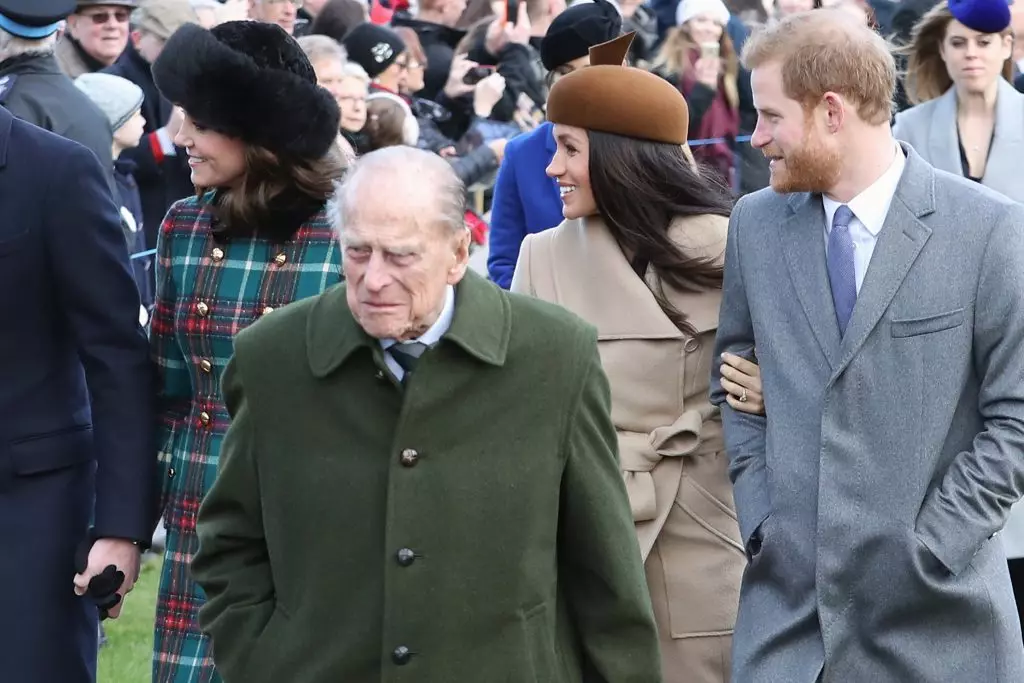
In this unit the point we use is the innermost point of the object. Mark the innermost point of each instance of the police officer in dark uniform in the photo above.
(32, 86)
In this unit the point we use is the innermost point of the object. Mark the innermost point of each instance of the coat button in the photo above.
(410, 458)
(401, 655)
(206, 366)
(267, 309)
(202, 308)
(170, 473)
(405, 557)
(204, 417)
(217, 254)
(281, 259)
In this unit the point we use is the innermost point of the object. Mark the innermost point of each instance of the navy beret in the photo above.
(984, 16)
(33, 19)
(579, 28)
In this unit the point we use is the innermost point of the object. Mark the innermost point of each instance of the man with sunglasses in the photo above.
(96, 35)
(32, 85)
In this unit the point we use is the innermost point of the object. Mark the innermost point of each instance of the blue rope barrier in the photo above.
(715, 141)
(691, 143)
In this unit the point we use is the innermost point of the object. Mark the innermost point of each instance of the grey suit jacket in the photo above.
(889, 457)
(930, 128)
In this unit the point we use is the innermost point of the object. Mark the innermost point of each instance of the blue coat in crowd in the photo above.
(526, 200)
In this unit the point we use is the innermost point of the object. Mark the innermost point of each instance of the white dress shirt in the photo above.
(430, 337)
(869, 209)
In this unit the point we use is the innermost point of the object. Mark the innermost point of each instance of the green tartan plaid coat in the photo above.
(208, 289)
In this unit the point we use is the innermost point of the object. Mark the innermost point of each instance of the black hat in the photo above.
(373, 47)
(249, 80)
(576, 30)
(33, 19)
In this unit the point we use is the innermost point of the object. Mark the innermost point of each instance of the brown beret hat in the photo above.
(623, 100)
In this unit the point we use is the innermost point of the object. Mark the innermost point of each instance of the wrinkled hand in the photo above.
(109, 573)
(487, 93)
(706, 70)
(742, 379)
(456, 86)
(498, 147)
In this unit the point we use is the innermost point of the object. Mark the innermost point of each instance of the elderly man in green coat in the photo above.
(420, 480)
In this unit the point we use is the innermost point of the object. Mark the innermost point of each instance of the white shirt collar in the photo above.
(871, 206)
(440, 326)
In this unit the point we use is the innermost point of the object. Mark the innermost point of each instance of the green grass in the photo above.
(127, 656)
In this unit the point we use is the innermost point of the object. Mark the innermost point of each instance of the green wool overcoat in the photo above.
(470, 527)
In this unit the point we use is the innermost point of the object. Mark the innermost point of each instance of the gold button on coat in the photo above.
(409, 457)
(217, 254)
(204, 417)
(281, 259)
(268, 309)
(206, 366)
(202, 308)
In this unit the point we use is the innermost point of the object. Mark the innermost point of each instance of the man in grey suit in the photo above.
(885, 300)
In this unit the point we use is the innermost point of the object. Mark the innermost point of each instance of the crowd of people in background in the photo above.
(225, 129)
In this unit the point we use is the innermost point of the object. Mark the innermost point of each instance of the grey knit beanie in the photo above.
(118, 98)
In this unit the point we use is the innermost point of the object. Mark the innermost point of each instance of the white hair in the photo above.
(403, 168)
(319, 47)
(353, 70)
(13, 46)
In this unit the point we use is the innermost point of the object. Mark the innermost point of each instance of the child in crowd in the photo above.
(121, 101)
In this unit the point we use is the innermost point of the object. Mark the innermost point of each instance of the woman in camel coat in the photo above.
(639, 256)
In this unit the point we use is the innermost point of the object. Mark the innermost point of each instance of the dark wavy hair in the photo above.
(640, 187)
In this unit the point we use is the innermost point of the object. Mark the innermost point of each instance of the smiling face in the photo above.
(215, 159)
(102, 31)
(974, 60)
(571, 168)
(351, 96)
(801, 156)
(703, 29)
(400, 257)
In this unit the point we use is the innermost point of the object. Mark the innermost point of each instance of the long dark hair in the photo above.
(640, 187)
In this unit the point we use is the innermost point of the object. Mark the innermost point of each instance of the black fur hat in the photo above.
(251, 81)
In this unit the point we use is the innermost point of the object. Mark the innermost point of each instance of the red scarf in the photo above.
(719, 121)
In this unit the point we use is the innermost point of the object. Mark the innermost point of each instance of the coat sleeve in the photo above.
(233, 565)
(973, 500)
(744, 433)
(508, 223)
(599, 558)
(98, 297)
(174, 384)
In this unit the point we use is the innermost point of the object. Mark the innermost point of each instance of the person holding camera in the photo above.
(700, 59)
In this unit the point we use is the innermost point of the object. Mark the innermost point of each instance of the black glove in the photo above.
(104, 586)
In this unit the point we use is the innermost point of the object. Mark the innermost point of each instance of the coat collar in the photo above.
(481, 327)
(614, 298)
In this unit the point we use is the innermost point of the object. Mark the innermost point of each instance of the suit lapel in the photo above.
(804, 247)
(943, 143)
(900, 241)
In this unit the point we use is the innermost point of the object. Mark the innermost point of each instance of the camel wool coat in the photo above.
(669, 435)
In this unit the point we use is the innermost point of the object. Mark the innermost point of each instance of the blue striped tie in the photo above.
(841, 273)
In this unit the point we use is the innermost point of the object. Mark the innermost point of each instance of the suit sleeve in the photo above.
(599, 557)
(744, 433)
(973, 500)
(508, 224)
(97, 293)
(233, 565)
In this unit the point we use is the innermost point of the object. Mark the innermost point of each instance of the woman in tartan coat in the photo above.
(260, 136)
